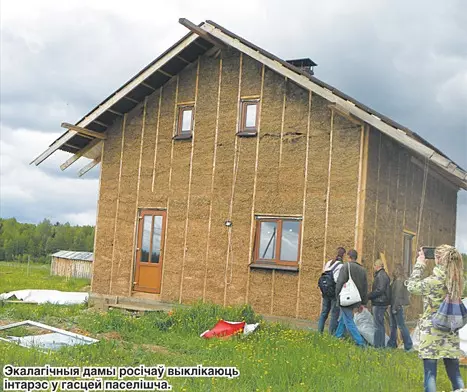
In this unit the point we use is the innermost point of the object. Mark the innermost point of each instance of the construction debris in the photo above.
(55, 340)
(44, 296)
(228, 328)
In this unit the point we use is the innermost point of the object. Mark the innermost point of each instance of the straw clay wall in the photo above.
(217, 176)
(394, 203)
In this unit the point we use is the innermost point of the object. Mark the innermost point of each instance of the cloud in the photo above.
(32, 193)
(407, 60)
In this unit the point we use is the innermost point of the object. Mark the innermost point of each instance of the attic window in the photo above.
(185, 122)
(249, 117)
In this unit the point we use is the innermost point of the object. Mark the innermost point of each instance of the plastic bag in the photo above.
(224, 329)
(366, 326)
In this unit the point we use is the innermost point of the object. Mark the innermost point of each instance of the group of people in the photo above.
(446, 279)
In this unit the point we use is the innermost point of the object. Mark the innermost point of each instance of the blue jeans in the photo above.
(328, 306)
(398, 320)
(380, 335)
(452, 369)
(346, 323)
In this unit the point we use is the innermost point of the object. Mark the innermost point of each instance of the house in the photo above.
(72, 264)
(229, 175)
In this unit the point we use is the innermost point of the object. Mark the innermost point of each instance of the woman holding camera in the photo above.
(447, 278)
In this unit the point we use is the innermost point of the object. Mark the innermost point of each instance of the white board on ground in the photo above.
(50, 296)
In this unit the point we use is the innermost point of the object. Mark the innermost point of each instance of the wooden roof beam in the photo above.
(79, 154)
(115, 112)
(89, 166)
(84, 131)
(117, 96)
(183, 59)
(130, 99)
(202, 33)
(165, 73)
(101, 123)
(148, 86)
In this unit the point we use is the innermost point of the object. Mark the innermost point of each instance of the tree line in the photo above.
(20, 241)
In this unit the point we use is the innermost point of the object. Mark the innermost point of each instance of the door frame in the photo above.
(140, 219)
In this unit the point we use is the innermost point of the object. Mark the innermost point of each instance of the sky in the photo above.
(407, 60)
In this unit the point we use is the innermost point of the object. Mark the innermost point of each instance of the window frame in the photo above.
(408, 264)
(150, 213)
(279, 222)
(243, 129)
(180, 134)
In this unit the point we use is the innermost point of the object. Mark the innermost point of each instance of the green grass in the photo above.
(274, 358)
(17, 276)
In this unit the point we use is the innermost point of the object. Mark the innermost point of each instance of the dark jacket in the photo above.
(381, 290)
(399, 293)
(360, 279)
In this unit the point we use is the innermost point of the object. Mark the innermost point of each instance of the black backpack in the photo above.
(326, 281)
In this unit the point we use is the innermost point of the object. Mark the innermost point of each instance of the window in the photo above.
(408, 252)
(248, 117)
(278, 241)
(150, 249)
(185, 122)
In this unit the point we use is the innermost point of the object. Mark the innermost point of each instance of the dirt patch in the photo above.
(155, 348)
(110, 336)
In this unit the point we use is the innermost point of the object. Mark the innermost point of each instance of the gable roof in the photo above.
(203, 38)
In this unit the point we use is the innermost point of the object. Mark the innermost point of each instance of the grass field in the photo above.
(274, 358)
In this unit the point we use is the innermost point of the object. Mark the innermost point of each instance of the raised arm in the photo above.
(415, 284)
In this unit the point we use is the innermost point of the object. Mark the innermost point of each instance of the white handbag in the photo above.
(349, 294)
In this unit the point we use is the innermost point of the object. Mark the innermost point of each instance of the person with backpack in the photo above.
(399, 299)
(380, 297)
(353, 275)
(327, 285)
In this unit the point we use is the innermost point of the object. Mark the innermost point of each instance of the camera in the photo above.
(429, 252)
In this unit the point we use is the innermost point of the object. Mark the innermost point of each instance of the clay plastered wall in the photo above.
(394, 199)
(217, 176)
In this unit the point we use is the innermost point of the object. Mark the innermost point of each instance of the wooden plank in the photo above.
(101, 123)
(84, 131)
(115, 112)
(148, 86)
(130, 99)
(54, 147)
(89, 166)
(362, 192)
(328, 190)
(79, 154)
(214, 157)
(305, 190)
(393, 132)
(253, 221)
(165, 73)
(202, 33)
